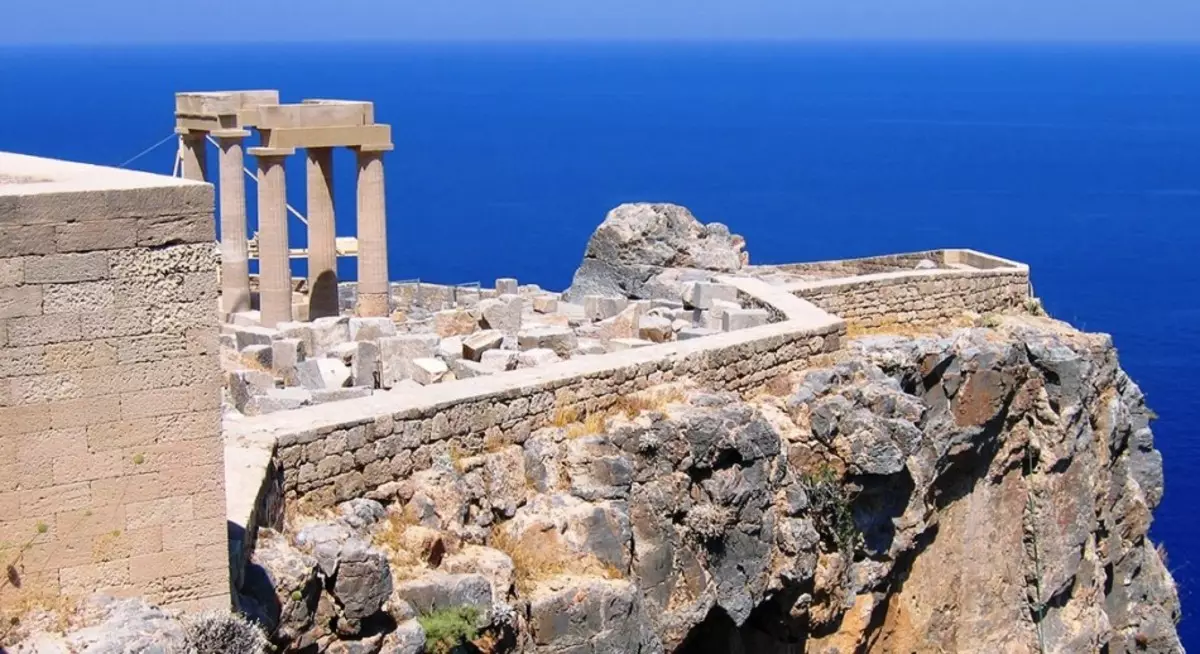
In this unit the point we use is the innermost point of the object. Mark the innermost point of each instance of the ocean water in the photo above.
(1083, 161)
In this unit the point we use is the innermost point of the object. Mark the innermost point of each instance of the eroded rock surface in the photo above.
(637, 242)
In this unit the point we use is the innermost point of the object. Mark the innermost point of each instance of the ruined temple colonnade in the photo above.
(318, 127)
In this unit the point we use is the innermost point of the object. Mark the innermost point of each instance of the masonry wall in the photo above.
(919, 296)
(332, 453)
(111, 475)
(863, 266)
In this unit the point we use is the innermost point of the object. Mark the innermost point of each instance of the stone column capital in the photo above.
(267, 154)
(224, 135)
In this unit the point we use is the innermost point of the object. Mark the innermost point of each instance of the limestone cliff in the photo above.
(986, 490)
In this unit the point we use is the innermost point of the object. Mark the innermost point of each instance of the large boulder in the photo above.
(636, 242)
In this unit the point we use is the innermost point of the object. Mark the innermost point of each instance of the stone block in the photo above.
(502, 313)
(499, 360)
(286, 354)
(678, 325)
(246, 318)
(507, 286)
(744, 318)
(244, 337)
(66, 268)
(371, 329)
(714, 317)
(622, 325)
(545, 303)
(246, 384)
(364, 371)
(700, 295)
(428, 371)
(259, 356)
(475, 345)
(450, 348)
(328, 333)
(316, 374)
(20, 302)
(278, 399)
(454, 322)
(89, 236)
(601, 307)
(661, 303)
(467, 369)
(656, 328)
(25, 240)
(396, 354)
(562, 340)
(79, 297)
(537, 357)
(688, 333)
(620, 344)
(589, 346)
(338, 394)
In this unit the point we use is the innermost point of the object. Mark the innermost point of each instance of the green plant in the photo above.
(139, 459)
(832, 507)
(1034, 306)
(448, 628)
(297, 596)
(42, 527)
(990, 320)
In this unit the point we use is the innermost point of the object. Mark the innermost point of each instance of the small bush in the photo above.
(990, 320)
(1033, 306)
(538, 555)
(218, 632)
(448, 628)
(832, 508)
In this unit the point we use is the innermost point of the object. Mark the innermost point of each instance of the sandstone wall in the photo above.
(863, 266)
(110, 457)
(918, 296)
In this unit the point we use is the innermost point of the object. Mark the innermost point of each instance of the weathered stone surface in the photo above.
(655, 328)
(450, 349)
(246, 384)
(637, 241)
(286, 354)
(589, 346)
(499, 360)
(278, 399)
(370, 329)
(247, 336)
(466, 369)
(363, 581)
(561, 340)
(545, 303)
(589, 616)
(339, 394)
(328, 333)
(603, 307)
(439, 590)
(397, 353)
(701, 295)
(743, 319)
(537, 357)
(476, 344)
(365, 370)
(688, 333)
(619, 344)
(258, 356)
(454, 322)
(317, 374)
(622, 325)
(408, 638)
(506, 286)
(428, 371)
(283, 580)
(502, 314)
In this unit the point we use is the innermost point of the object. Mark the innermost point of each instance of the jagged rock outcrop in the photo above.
(637, 243)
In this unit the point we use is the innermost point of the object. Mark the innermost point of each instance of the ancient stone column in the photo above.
(275, 273)
(322, 251)
(372, 234)
(235, 267)
(195, 155)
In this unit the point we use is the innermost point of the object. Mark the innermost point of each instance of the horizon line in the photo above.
(601, 40)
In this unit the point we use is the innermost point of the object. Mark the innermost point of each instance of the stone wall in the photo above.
(862, 266)
(922, 296)
(110, 457)
(335, 452)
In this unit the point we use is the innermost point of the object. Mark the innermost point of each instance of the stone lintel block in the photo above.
(313, 114)
(327, 136)
(475, 345)
(157, 231)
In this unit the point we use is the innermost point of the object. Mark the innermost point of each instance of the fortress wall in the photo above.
(110, 456)
(862, 266)
(918, 296)
(331, 453)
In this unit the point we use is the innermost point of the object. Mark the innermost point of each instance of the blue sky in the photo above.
(126, 21)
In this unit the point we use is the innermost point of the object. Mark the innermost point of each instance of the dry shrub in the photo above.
(653, 400)
(539, 555)
(779, 386)
(564, 416)
(595, 423)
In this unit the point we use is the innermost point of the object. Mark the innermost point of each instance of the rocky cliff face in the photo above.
(987, 490)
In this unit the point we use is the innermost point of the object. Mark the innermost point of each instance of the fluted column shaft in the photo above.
(195, 156)
(235, 267)
(372, 236)
(275, 274)
(322, 250)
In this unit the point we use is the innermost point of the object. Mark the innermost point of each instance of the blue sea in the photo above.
(1083, 161)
